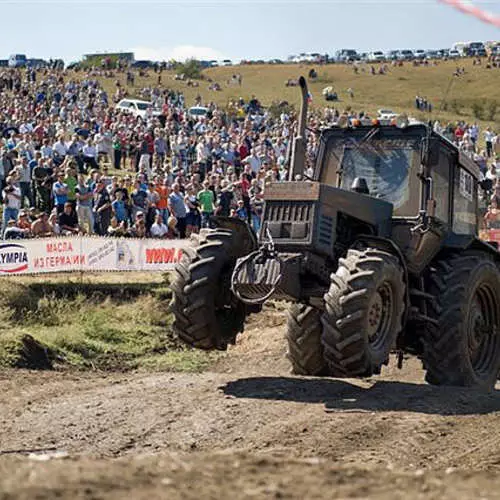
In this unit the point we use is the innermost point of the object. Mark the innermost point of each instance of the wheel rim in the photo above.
(380, 316)
(482, 330)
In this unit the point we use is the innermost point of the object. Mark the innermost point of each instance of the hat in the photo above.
(140, 213)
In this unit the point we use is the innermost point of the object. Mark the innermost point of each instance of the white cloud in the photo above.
(179, 53)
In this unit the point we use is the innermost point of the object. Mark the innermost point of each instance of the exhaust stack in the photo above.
(299, 143)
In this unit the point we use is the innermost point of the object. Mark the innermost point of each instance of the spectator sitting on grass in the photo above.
(138, 230)
(68, 220)
(172, 228)
(23, 221)
(12, 232)
(42, 227)
(55, 224)
(159, 229)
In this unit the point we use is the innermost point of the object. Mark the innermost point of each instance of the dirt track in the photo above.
(247, 429)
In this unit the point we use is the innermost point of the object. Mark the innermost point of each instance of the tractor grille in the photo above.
(325, 233)
(289, 211)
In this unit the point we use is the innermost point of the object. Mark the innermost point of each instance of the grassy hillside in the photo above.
(397, 90)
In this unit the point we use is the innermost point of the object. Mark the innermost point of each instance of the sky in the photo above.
(232, 29)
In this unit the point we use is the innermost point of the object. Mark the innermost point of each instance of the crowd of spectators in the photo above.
(62, 139)
(71, 163)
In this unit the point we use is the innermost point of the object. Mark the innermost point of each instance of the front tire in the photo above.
(363, 312)
(303, 336)
(462, 346)
(206, 314)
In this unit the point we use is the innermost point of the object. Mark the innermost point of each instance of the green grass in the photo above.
(396, 90)
(92, 325)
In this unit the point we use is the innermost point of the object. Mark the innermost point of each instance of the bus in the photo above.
(17, 61)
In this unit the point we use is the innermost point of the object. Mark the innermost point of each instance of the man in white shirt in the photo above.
(11, 196)
(488, 138)
(254, 161)
(158, 229)
(90, 154)
(60, 150)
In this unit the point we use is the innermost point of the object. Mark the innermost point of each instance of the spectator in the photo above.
(177, 208)
(68, 220)
(206, 199)
(102, 209)
(41, 227)
(159, 229)
(138, 230)
(11, 202)
(84, 197)
(60, 192)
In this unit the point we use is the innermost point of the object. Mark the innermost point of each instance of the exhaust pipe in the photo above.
(298, 161)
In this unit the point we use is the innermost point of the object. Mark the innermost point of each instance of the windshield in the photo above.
(384, 164)
(142, 106)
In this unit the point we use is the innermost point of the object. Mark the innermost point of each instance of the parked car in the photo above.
(392, 55)
(386, 114)
(136, 107)
(346, 55)
(36, 63)
(197, 112)
(377, 56)
(420, 54)
(406, 55)
(478, 52)
(432, 54)
(454, 54)
(143, 64)
(227, 62)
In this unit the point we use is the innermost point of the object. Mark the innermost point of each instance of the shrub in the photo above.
(491, 110)
(191, 69)
(478, 109)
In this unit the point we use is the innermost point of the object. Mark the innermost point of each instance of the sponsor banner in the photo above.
(79, 254)
(156, 254)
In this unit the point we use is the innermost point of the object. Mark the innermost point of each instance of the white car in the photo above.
(136, 107)
(377, 57)
(419, 54)
(197, 112)
(386, 114)
(454, 54)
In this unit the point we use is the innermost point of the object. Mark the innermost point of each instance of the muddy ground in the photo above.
(245, 429)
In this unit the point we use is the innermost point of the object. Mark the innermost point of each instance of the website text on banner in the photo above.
(54, 255)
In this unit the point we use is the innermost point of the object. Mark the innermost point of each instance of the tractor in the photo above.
(377, 252)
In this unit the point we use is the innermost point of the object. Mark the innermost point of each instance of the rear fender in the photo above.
(245, 239)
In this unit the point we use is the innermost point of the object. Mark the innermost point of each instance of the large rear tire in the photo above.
(363, 312)
(206, 314)
(462, 346)
(303, 336)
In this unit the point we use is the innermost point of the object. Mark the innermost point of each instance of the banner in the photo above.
(79, 254)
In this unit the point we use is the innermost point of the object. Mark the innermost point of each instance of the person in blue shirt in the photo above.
(60, 193)
(241, 211)
(177, 208)
(118, 206)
